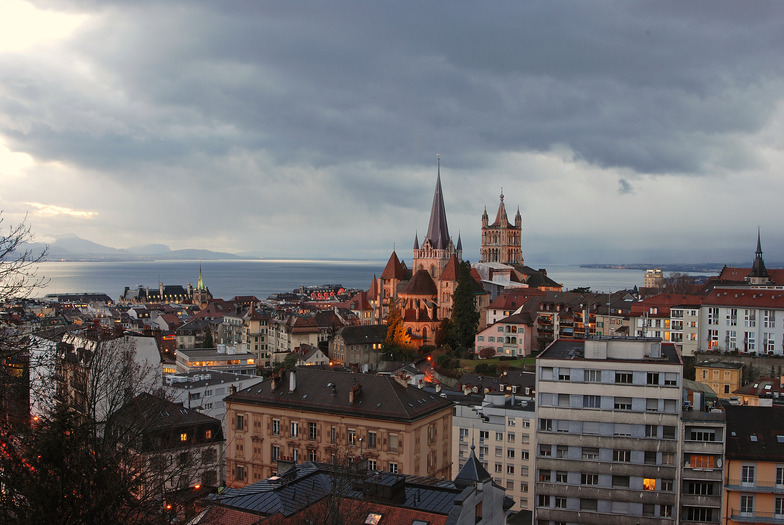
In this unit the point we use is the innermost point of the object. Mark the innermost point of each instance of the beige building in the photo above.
(723, 377)
(502, 431)
(324, 415)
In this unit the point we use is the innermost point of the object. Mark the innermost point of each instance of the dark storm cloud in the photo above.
(651, 87)
(624, 188)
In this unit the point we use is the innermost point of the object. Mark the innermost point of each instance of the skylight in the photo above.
(374, 518)
(753, 437)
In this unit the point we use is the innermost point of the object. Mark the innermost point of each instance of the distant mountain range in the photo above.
(73, 248)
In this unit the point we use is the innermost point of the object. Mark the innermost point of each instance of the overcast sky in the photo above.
(624, 131)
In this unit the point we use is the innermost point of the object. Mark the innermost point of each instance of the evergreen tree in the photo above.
(397, 341)
(465, 316)
(208, 342)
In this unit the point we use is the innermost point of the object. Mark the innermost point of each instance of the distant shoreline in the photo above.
(713, 268)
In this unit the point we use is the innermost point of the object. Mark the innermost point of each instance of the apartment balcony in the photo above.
(735, 484)
(755, 517)
(702, 474)
(618, 494)
(587, 517)
(702, 501)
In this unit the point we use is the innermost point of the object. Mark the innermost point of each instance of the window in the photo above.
(524, 455)
(561, 476)
(372, 464)
(648, 484)
(590, 427)
(275, 427)
(665, 511)
(393, 467)
(294, 429)
(351, 437)
(701, 462)
(651, 405)
(510, 469)
(275, 452)
(183, 436)
(670, 406)
(483, 436)
(702, 435)
(623, 403)
(499, 436)
(333, 435)
(652, 378)
(650, 457)
(622, 456)
(699, 488)
(544, 476)
(589, 479)
(498, 468)
(698, 514)
(240, 473)
(713, 316)
(560, 503)
(779, 476)
(240, 422)
(562, 451)
(666, 485)
(563, 400)
(588, 504)
(593, 376)
(498, 451)
(624, 378)
(545, 451)
(751, 341)
(564, 374)
(747, 505)
(295, 455)
(510, 453)
(312, 431)
(393, 443)
(778, 510)
(747, 473)
(622, 429)
(544, 500)
(463, 436)
(547, 373)
(510, 437)
(546, 425)
(768, 318)
(312, 457)
(523, 486)
(590, 453)
(668, 432)
(620, 481)
(671, 379)
(732, 317)
(750, 318)
(651, 431)
(592, 401)
(668, 458)
(510, 422)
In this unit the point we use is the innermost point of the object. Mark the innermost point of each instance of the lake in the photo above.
(229, 278)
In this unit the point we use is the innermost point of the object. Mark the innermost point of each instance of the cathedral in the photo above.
(423, 293)
(501, 241)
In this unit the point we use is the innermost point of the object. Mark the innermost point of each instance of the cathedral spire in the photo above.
(416, 240)
(200, 286)
(500, 217)
(437, 230)
(758, 269)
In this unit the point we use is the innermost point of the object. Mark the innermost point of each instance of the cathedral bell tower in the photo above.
(501, 241)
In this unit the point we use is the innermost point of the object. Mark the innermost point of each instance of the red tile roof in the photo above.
(743, 297)
(393, 269)
(450, 270)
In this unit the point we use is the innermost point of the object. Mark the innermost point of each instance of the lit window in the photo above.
(207, 435)
(373, 518)
(184, 436)
(649, 484)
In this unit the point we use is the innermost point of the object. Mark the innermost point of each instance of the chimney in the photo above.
(438, 388)
(353, 394)
(292, 382)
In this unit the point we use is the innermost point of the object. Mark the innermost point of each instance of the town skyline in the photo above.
(626, 133)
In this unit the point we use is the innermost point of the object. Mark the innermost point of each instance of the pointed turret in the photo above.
(200, 285)
(459, 247)
(373, 292)
(500, 218)
(758, 274)
(518, 218)
(485, 219)
(416, 240)
(437, 230)
(472, 472)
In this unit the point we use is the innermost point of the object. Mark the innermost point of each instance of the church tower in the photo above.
(501, 241)
(437, 246)
(758, 274)
(201, 295)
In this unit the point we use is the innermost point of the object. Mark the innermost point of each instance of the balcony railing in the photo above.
(756, 517)
(743, 486)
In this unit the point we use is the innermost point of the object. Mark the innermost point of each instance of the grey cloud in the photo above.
(624, 188)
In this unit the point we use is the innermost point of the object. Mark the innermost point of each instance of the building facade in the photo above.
(323, 415)
(608, 414)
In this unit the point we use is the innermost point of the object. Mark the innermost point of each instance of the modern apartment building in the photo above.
(323, 415)
(502, 430)
(743, 319)
(608, 413)
(702, 470)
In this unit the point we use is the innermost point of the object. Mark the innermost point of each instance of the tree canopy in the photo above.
(465, 316)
